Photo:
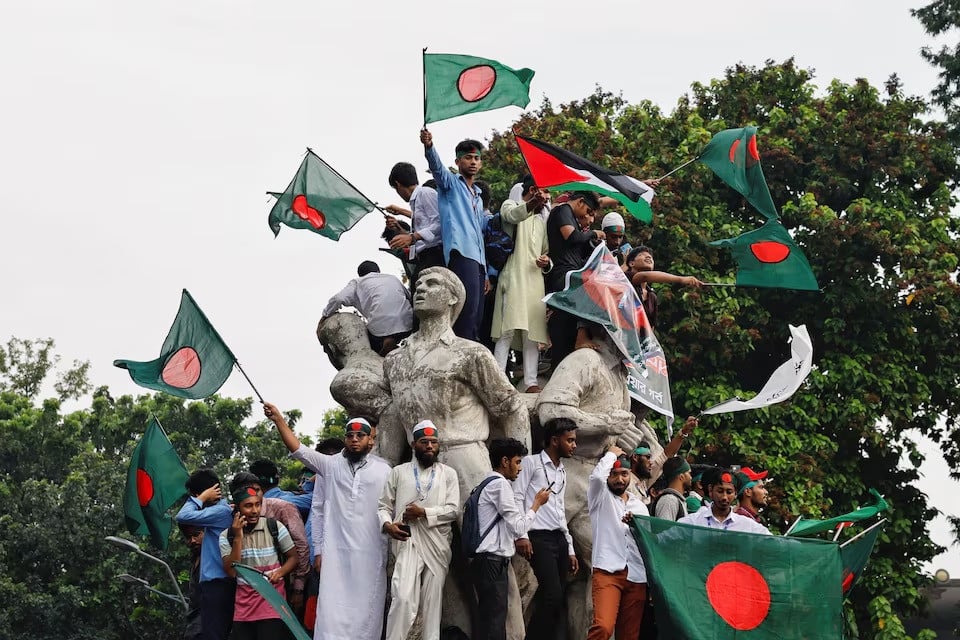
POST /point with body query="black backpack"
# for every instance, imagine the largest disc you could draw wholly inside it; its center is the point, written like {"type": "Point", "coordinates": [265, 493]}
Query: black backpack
{"type": "Point", "coordinates": [470, 536]}
{"type": "Point", "coordinates": [497, 243]}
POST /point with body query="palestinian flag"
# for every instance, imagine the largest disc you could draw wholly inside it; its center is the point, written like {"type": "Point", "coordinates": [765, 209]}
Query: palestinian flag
{"type": "Point", "coordinates": [733, 156]}
{"type": "Point", "coordinates": [768, 257]}
{"type": "Point", "coordinates": [261, 585]}
{"type": "Point", "coordinates": [454, 85]}
{"type": "Point", "coordinates": [855, 554]}
{"type": "Point", "coordinates": [154, 483]}
{"type": "Point", "coordinates": [712, 583]}
{"type": "Point", "coordinates": [194, 361]}
{"type": "Point", "coordinates": [601, 293]}
{"type": "Point", "coordinates": [812, 527]}
{"type": "Point", "coordinates": [320, 200]}
{"type": "Point", "coordinates": [559, 170]}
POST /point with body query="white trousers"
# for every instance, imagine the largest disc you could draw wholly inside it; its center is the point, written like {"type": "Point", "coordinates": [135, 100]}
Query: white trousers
{"type": "Point", "coordinates": [531, 357]}
{"type": "Point", "coordinates": [414, 587]}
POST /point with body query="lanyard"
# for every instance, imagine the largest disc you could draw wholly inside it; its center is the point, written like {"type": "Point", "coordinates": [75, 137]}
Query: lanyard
{"type": "Point", "coordinates": [422, 494]}
{"type": "Point", "coordinates": [563, 483]}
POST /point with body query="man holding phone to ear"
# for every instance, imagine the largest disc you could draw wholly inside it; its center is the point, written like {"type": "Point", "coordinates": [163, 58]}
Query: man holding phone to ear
{"type": "Point", "coordinates": [548, 546]}
{"type": "Point", "coordinates": [419, 503]}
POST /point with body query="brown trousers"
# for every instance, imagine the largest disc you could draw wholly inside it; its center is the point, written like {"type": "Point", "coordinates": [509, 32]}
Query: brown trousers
{"type": "Point", "coordinates": [617, 606]}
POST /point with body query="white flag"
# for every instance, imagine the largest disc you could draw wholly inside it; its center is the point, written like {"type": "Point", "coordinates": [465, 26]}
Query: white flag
{"type": "Point", "coordinates": [785, 380]}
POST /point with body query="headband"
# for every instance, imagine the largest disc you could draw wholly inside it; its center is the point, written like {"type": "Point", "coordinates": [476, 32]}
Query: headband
{"type": "Point", "coordinates": [244, 492]}
{"type": "Point", "coordinates": [679, 471]}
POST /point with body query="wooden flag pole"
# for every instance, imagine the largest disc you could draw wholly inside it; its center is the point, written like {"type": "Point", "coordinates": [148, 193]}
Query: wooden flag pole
{"type": "Point", "coordinates": [249, 381]}
{"type": "Point", "coordinates": [673, 171]}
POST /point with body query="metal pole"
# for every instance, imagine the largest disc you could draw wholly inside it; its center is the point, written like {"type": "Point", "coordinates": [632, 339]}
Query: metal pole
{"type": "Point", "coordinates": [864, 532]}
{"type": "Point", "coordinates": [129, 545]}
{"type": "Point", "coordinates": [795, 523]}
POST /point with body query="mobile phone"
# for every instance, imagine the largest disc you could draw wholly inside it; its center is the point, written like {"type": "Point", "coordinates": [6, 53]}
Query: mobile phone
{"type": "Point", "coordinates": [405, 528]}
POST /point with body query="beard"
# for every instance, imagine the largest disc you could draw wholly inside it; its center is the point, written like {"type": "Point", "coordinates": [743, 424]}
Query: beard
{"type": "Point", "coordinates": [641, 472]}
{"type": "Point", "coordinates": [617, 491]}
{"type": "Point", "coordinates": [353, 456]}
{"type": "Point", "coordinates": [424, 458]}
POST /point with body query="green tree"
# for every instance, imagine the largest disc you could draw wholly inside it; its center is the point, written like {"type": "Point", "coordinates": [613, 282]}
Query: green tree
{"type": "Point", "coordinates": [334, 423]}
{"type": "Point", "coordinates": [938, 18]}
{"type": "Point", "coordinates": [865, 184]}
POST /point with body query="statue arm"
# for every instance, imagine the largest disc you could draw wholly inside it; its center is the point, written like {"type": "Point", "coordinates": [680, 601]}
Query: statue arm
{"type": "Point", "coordinates": [498, 396]}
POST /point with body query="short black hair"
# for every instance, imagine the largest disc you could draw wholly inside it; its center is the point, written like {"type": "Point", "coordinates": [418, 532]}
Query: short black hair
{"type": "Point", "coordinates": [330, 446]}
{"type": "Point", "coordinates": [201, 480]}
{"type": "Point", "coordinates": [557, 427]}
{"type": "Point", "coordinates": [527, 182]}
{"type": "Point", "coordinates": [484, 193]}
{"type": "Point", "coordinates": [367, 266]}
{"type": "Point", "coordinates": [715, 476]}
{"type": "Point", "coordinates": [404, 174]}
{"type": "Point", "coordinates": [505, 448]}
{"type": "Point", "coordinates": [430, 184]}
{"type": "Point", "coordinates": [468, 146]}
{"type": "Point", "coordinates": [589, 197]}
{"type": "Point", "coordinates": [244, 479]}
{"type": "Point", "coordinates": [637, 251]}
{"type": "Point", "coordinates": [671, 465]}
{"type": "Point", "coordinates": [267, 472]}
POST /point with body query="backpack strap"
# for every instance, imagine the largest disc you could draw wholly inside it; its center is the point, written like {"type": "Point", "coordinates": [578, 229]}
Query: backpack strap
{"type": "Point", "coordinates": [499, 517]}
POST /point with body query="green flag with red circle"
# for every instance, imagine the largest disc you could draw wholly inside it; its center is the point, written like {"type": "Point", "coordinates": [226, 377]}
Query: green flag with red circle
{"type": "Point", "coordinates": [768, 257]}
{"type": "Point", "coordinates": [721, 584]}
{"type": "Point", "coordinates": [454, 85]}
{"type": "Point", "coordinates": [155, 481]}
{"type": "Point", "coordinates": [732, 155]}
{"type": "Point", "coordinates": [194, 361]}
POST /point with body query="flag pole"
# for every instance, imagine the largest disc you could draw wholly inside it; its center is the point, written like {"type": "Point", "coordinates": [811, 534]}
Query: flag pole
{"type": "Point", "coordinates": [795, 523]}
{"type": "Point", "coordinates": [864, 532]}
{"type": "Point", "coordinates": [249, 381]}
{"type": "Point", "coordinates": [718, 284]}
{"type": "Point", "coordinates": [423, 59]}
{"type": "Point", "coordinates": [339, 175]}
{"type": "Point", "coordinates": [673, 171]}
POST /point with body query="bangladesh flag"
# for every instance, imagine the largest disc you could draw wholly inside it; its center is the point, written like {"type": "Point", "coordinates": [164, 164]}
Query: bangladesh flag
{"type": "Point", "coordinates": [768, 257]}
{"type": "Point", "coordinates": [454, 85]}
{"type": "Point", "coordinates": [712, 583]}
{"type": "Point", "coordinates": [733, 156]}
{"type": "Point", "coordinates": [154, 483]}
{"type": "Point", "coordinates": [560, 170]}
{"type": "Point", "coordinates": [812, 527]}
{"type": "Point", "coordinates": [261, 585]}
{"type": "Point", "coordinates": [320, 200]}
{"type": "Point", "coordinates": [194, 361]}
{"type": "Point", "coordinates": [855, 554]}
{"type": "Point", "coordinates": [600, 292]}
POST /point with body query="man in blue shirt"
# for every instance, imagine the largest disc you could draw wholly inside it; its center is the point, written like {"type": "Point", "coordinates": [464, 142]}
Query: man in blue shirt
{"type": "Point", "coordinates": [269, 476]}
{"type": "Point", "coordinates": [461, 222]}
{"type": "Point", "coordinates": [206, 508]}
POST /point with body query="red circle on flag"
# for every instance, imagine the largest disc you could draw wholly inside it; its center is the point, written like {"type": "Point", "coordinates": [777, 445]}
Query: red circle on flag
{"type": "Point", "coordinates": [752, 148]}
{"type": "Point", "coordinates": [739, 595]}
{"type": "Point", "coordinates": [307, 213]}
{"type": "Point", "coordinates": [770, 251]}
{"type": "Point", "coordinates": [144, 487]}
{"type": "Point", "coordinates": [733, 149]}
{"type": "Point", "coordinates": [182, 369]}
{"type": "Point", "coordinates": [477, 82]}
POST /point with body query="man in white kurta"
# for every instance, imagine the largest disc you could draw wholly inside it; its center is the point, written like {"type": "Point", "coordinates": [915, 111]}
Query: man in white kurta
{"type": "Point", "coordinates": [353, 582]}
{"type": "Point", "coordinates": [424, 495]}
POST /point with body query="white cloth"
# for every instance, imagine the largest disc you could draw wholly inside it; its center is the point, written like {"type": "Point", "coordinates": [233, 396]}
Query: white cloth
{"type": "Point", "coordinates": [353, 580]}
{"type": "Point", "coordinates": [380, 298]}
{"type": "Point", "coordinates": [537, 472]}
{"type": "Point", "coordinates": [531, 356]}
{"type": "Point", "coordinates": [317, 501]}
{"type": "Point", "coordinates": [497, 497]}
{"type": "Point", "coordinates": [423, 559]}
{"type": "Point", "coordinates": [425, 220]}
{"type": "Point", "coordinates": [613, 545]}
{"type": "Point", "coordinates": [733, 522]}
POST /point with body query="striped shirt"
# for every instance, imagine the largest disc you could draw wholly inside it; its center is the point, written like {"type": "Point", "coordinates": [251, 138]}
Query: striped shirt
{"type": "Point", "coordinates": [259, 553]}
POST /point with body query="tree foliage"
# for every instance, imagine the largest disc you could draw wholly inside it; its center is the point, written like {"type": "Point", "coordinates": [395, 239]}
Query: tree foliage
{"type": "Point", "coordinates": [62, 477]}
{"type": "Point", "coordinates": [938, 18]}
{"type": "Point", "coordinates": [864, 183]}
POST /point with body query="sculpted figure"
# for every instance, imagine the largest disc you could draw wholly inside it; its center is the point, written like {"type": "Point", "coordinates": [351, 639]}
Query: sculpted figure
{"type": "Point", "coordinates": [358, 385]}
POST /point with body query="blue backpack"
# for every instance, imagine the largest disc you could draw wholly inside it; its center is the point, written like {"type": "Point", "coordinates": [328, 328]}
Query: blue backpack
{"type": "Point", "coordinates": [470, 536]}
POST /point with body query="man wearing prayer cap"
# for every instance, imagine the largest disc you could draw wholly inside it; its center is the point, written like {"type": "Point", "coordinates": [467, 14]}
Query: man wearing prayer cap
{"type": "Point", "coordinates": [419, 503]}
{"type": "Point", "coordinates": [354, 548]}
{"type": "Point", "coordinates": [614, 229]}
{"type": "Point", "coordinates": [751, 493]}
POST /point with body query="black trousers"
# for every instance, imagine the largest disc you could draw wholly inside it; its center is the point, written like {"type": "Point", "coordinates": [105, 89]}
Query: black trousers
{"type": "Point", "coordinates": [550, 563]}
{"type": "Point", "coordinates": [562, 329]}
{"type": "Point", "coordinates": [272, 629]}
{"type": "Point", "coordinates": [489, 575]}
{"type": "Point", "coordinates": [216, 608]}
{"type": "Point", "coordinates": [472, 275]}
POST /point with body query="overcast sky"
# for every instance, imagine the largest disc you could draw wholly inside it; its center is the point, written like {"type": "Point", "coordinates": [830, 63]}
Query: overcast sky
{"type": "Point", "coordinates": [138, 138]}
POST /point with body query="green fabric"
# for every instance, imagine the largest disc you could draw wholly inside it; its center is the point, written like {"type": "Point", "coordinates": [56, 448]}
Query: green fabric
{"type": "Point", "coordinates": [154, 483]}
{"type": "Point", "coordinates": [768, 257]}
{"type": "Point", "coordinates": [712, 583]}
{"type": "Point", "coordinates": [733, 156]}
{"type": "Point", "coordinates": [812, 527]}
{"type": "Point", "coordinates": [855, 556]}
{"type": "Point", "coordinates": [455, 85]}
{"type": "Point", "coordinates": [320, 200]}
{"type": "Point", "coordinates": [194, 361]}
{"type": "Point", "coordinates": [639, 209]}
{"type": "Point", "coordinates": [693, 503]}
{"type": "Point", "coordinates": [263, 586]}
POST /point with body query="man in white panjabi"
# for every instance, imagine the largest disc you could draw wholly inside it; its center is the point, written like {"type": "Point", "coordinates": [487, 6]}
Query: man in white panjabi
{"type": "Point", "coordinates": [353, 582]}
{"type": "Point", "coordinates": [419, 503]}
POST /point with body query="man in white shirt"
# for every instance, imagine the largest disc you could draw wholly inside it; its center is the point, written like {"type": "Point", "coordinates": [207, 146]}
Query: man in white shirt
{"type": "Point", "coordinates": [497, 506]}
{"type": "Point", "coordinates": [424, 243]}
{"type": "Point", "coordinates": [419, 503]}
{"type": "Point", "coordinates": [619, 577]}
{"type": "Point", "coordinates": [721, 485]}
{"type": "Point", "coordinates": [548, 547]}
{"type": "Point", "coordinates": [380, 298]}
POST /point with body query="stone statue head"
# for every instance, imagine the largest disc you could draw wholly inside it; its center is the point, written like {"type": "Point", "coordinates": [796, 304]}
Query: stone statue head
{"type": "Point", "coordinates": [343, 335]}
{"type": "Point", "coordinates": [439, 291]}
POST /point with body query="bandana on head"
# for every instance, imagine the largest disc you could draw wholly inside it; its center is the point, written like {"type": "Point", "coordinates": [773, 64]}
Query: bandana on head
{"type": "Point", "coordinates": [622, 462]}
{"type": "Point", "coordinates": [467, 153]}
{"type": "Point", "coordinates": [641, 451]}
{"type": "Point", "coordinates": [679, 471]}
{"type": "Point", "coordinates": [743, 482]}
{"type": "Point", "coordinates": [242, 493]}
{"type": "Point", "coordinates": [613, 222]}
{"type": "Point", "coordinates": [425, 429]}
{"type": "Point", "coordinates": [355, 425]}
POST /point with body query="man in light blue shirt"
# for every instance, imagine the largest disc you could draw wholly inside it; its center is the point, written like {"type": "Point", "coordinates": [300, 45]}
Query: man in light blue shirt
{"type": "Point", "coordinates": [269, 475]}
{"type": "Point", "coordinates": [461, 222]}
